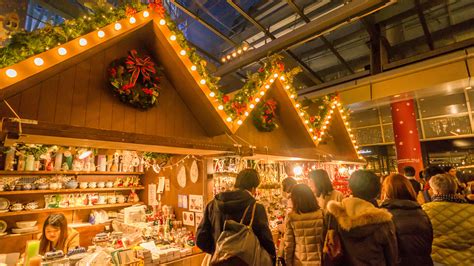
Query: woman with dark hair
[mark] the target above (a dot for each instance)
(56, 235)
(413, 227)
(322, 187)
(304, 226)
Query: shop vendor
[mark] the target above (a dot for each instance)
(56, 235)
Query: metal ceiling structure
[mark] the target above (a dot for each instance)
(332, 41)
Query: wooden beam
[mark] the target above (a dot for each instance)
(424, 25)
(310, 31)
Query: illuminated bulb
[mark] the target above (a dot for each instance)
(324, 127)
(11, 73)
(223, 59)
(301, 114)
(275, 75)
(331, 111)
(322, 133)
(311, 130)
(203, 81)
(212, 94)
(333, 106)
(193, 68)
(329, 117)
(315, 138)
(267, 86)
(272, 80)
(353, 141)
(257, 100)
(282, 77)
(344, 117)
(349, 129)
(173, 37)
(239, 51)
(82, 42)
(132, 20)
(146, 14)
(246, 113)
(327, 122)
(338, 104)
(356, 146)
(118, 26)
(229, 119)
(234, 54)
(228, 57)
(298, 170)
(352, 135)
(245, 48)
(341, 111)
(347, 123)
(319, 139)
(182, 52)
(239, 122)
(38, 61)
(297, 105)
(101, 34)
(306, 122)
(62, 51)
(162, 22)
(252, 106)
(292, 96)
(287, 87)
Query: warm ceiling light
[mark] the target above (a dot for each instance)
(11, 73)
(146, 14)
(173, 37)
(193, 68)
(82, 42)
(203, 81)
(182, 52)
(62, 51)
(132, 20)
(38, 61)
(118, 26)
(162, 22)
(101, 34)
(220, 107)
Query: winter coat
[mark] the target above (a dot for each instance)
(334, 195)
(231, 206)
(303, 238)
(414, 232)
(367, 233)
(453, 232)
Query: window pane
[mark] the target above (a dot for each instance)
(364, 118)
(448, 126)
(443, 105)
(370, 135)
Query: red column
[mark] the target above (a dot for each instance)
(407, 141)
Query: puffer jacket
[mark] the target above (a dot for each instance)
(303, 238)
(414, 232)
(231, 206)
(453, 232)
(367, 233)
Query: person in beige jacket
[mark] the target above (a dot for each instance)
(304, 226)
(322, 188)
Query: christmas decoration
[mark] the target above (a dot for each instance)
(135, 80)
(264, 117)
(341, 183)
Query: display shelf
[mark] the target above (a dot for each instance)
(63, 191)
(102, 206)
(18, 235)
(33, 173)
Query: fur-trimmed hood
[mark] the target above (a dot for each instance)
(353, 212)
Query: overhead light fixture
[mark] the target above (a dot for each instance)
(298, 170)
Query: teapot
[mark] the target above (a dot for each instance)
(16, 207)
(32, 205)
(109, 184)
(71, 184)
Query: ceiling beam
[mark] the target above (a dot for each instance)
(329, 21)
(424, 25)
(306, 69)
(204, 23)
(326, 42)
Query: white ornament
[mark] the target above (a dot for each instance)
(181, 177)
(194, 172)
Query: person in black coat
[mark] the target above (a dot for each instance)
(413, 227)
(410, 173)
(231, 205)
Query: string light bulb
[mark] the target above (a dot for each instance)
(38, 61)
(212, 94)
(257, 100)
(282, 78)
(228, 57)
(62, 51)
(11, 73)
(132, 20)
(193, 68)
(162, 22)
(239, 122)
(223, 60)
(292, 96)
(82, 42)
(262, 93)
(275, 75)
(246, 113)
(182, 52)
(146, 14)
(239, 51)
(301, 114)
(287, 87)
(251, 106)
(202, 81)
(220, 107)
(173, 37)
(118, 26)
(272, 80)
(234, 54)
(311, 130)
(101, 34)
(297, 105)
(229, 119)
(267, 86)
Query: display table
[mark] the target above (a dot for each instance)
(192, 260)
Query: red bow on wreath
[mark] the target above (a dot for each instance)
(272, 105)
(157, 6)
(138, 65)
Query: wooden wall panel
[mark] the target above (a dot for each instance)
(79, 100)
(65, 96)
(96, 80)
(30, 102)
(48, 96)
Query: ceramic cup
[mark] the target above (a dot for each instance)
(83, 185)
(101, 184)
(92, 184)
(102, 199)
(16, 207)
(53, 186)
(112, 200)
(109, 184)
(31, 205)
(120, 199)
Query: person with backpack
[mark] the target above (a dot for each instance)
(238, 205)
(357, 232)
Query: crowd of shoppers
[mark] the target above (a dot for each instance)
(402, 221)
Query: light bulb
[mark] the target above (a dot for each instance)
(327, 122)
(118, 26)
(245, 48)
(229, 119)
(287, 87)
(182, 52)
(162, 22)
(311, 130)
(324, 127)
(322, 133)
(267, 86)
(353, 141)
(228, 57)
(101, 34)
(62, 51)
(132, 20)
(11, 73)
(292, 96)
(257, 100)
(333, 106)
(212, 94)
(146, 14)
(38, 61)
(315, 138)
(306, 122)
(282, 77)
(251, 106)
(220, 107)
(246, 113)
(275, 75)
(298, 170)
(262, 93)
(356, 146)
(234, 54)
(173, 37)
(193, 68)
(203, 81)
(301, 114)
(82, 42)
(272, 80)
(319, 139)
(297, 105)
(331, 111)
(239, 51)
(239, 122)
(223, 60)
(347, 123)
(349, 129)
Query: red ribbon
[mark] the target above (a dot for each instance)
(137, 65)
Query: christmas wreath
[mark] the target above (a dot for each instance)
(135, 80)
(264, 116)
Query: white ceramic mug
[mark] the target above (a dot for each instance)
(83, 185)
(101, 184)
(109, 184)
(92, 184)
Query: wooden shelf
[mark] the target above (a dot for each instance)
(33, 173)
(104, 206)
(63, 191)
